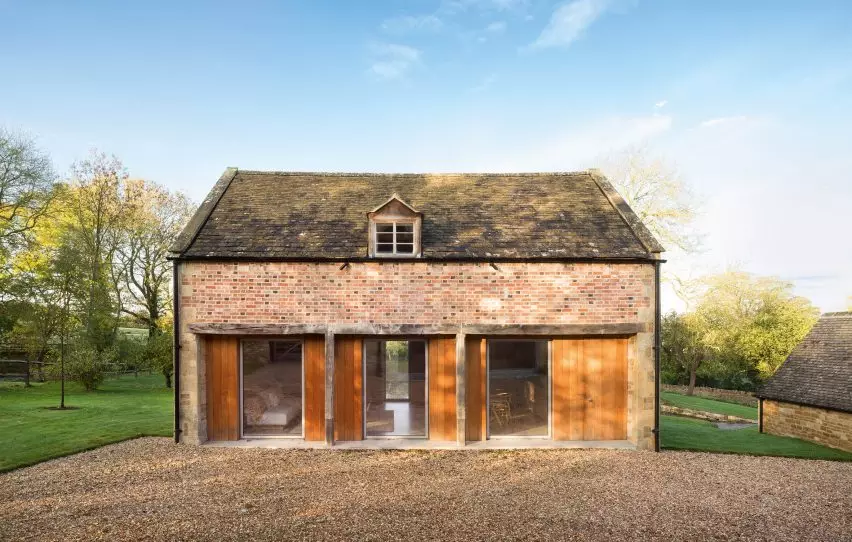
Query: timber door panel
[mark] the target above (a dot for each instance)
(590, 389)
(475, 402)
(442, 389)
(348, 389)
(223, 380)
(314, 370)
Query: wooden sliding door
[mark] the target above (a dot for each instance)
(222, 382)
(443, 424)
(348, 388)
(590, 389)
(475, 375)
(314, 357)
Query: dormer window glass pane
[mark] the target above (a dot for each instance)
(395, 238)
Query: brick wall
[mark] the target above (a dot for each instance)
(827, 427)
(418, 293)
(424, 293)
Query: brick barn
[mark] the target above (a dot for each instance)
(810, 396)
(416, 310)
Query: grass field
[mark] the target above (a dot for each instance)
(678, 433)
(123, 408)
(130, 407)
(708, 405)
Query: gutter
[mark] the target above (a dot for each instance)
(657, 346)
(176, 324)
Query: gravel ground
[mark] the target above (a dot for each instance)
(151, 489)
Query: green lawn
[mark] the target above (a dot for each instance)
(708, 405)
(123, 408)
(130, 407)
(679, 433)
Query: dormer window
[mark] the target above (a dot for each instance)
(395, 238)
(394, 230)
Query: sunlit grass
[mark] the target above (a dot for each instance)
(123, 408)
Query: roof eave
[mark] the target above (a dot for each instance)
(643, 235)
(196, 223)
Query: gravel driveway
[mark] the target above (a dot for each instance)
(151, 489)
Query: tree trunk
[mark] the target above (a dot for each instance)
(691, 388)
(168, 376)
(27, 375)
(62, 371)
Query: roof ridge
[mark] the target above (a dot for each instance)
(416, 174)
(837, 314)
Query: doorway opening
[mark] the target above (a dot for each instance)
(395, 388)
(518, 388)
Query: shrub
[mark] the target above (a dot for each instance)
(83, 364)
(158, 353)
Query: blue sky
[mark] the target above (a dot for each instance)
(752, 100)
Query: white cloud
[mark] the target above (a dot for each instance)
(568, 22)
(661, 104)
(393, 61)
(412, 23)
(712, 123)
(496, 27)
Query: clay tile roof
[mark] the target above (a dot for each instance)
(282, 215)
(819, 370)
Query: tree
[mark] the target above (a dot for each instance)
(742, 328)
(657, 194)
(26, 181)
(45, 276)
(758, 319)
(683, 351)
(158, 353)
(156, 218)
(94, 215)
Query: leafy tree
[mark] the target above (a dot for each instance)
(683, 351)
(86, 364)
(156, 218)
(758, 319)
(158, 353)
(741, 330)
(45, 278)
(26, 180)
(93, 217)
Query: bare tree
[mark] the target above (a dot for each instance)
(657, 194)
(156, 218)
(26, 182)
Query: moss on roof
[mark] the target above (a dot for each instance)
(255, 214)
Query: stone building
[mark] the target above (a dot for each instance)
(810, 396)
(481, 310)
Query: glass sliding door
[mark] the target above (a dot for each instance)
(394, 388)
(272, 392)
(518, 388)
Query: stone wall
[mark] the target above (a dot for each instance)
(418, 293)
(827, 427)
